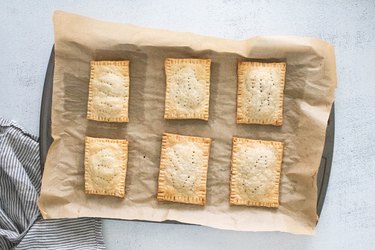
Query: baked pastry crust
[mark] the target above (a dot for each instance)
(255, 172)
(260, 93)
(183, 169)
(188, 88)
(105, 166)
(108, 99)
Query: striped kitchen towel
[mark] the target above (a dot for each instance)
(21, 226)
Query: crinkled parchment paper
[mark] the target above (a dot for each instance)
(309, 93)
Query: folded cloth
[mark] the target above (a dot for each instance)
(21, 226)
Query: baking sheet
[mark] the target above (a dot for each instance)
(309, 92)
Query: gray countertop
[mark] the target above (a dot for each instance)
(348, 217)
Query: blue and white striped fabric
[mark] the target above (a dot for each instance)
(21, 226)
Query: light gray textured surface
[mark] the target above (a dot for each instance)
(348, 217)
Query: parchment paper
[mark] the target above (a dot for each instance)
(309, 93)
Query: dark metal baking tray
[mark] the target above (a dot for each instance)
(46, 140)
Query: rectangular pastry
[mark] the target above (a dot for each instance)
(183, 169)
(108, 91)
(105, 166)
(255, 172)
(188, 88)
(260, 93)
